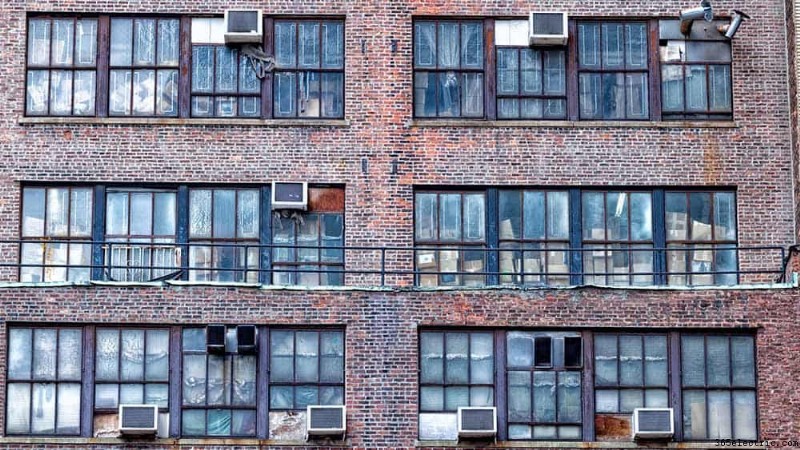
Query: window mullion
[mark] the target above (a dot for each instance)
(676, 398)
(490, 67)
(575, 232)
(266, 82)
(101, 59)
(572, 74)
(654, 78)
(262, 384)
(184, 67)
(87, 383)
(659, 237)
(588, 385)
(182, 231)
(175, 400)
(492, 236)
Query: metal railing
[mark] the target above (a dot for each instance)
(53, 260)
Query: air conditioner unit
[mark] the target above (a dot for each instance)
(287, 195)
(547, 28)
(243, 26)
(215, 339)
(327, 420)
(477, 421)
(653, 423)
(246, 339)
(138, 419)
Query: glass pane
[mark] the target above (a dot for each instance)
(676, 216)
(285, 46)
(121, 42)
(431, 398)
(243, 423)
(225, 107)
(332, 362)
(672, 88)
(693, 360)
(132, 355)
(226, 69)
(606, 401)
(425, 94)
(655, 360)
(194, 339)
(107, 355)
(69, 408)
(426, 215)
(544, 397)
(474, 217)
(696, 93)
(244, 380)
(520, 349)
(555, 78)
(141, 213)
(510, 214)
(431, 357)
(605, 360)
(86, 42)
(106, 396)
(481, 358)
(144, 88)
(19, 354)
(725, 216)
(694, 414)
(80, 219)
(448, 45)
(719, 88)
(613, 46)
(83, 98)
(450, 217)
(589, 45)
(719, 415)
(308, 49)
(307, 357)
(744, 415)
(194, 379)
(131, 394)
(60, 92)
(481, 396)
(164, 212)
(157, 394)
(69, 354)
(656, 398)
(700, 214)
(519, 396)
(332, 95)
(636, 85)
(281, 397)
(144, 42)
(39, 42)
(193, 422)
(57, 211)
(569, 397)
(617, 216)
(472, 95)
(508, 108)
(591, 93)
(718, 361)
(593, 216)
(247, 216)
(157, 355)
(281, 356)
(455, 397)
(630, 357)
(119, 102)
(44, 354)
(167, 93)
(306, 395)
(507, 71)
(636, 45)
(472, 45)
(168, 48)
(308, 95)
(219, 422)
(33, 212)
(614, 95)
(38, 91)
(557, 215)
(456, 363)
(630, 399)
(202, 68)
(448, 99)
(332, 44)
(218, 381)
(424, 44)
(200, 213)
(285, 95)
(742, 353)
(43, 408)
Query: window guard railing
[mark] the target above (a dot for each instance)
(393, 266)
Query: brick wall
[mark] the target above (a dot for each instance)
(755, 156)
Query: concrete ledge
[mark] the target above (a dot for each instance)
(183, 122)
(576, 444)
(144, 443)
(477, 123)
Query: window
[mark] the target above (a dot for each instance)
(63, 217)
(306, 368)
(219, 390)
(544, 385)
(456, 222)
(143, 222)
(62, 60)
(143, 60)
(448, 68)
(131, 367)
(718, 379)
(630, 371)
(536, 225)
(701, 235)
(456, 369)
(309, 69)
(695, 73)
(44, 381)
(531, 83)
(224, 82)
(618, 229)
(613, 70)
(227, 220)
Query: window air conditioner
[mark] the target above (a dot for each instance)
(653, 423)
(477, 421)
(138, 419)
(547, 28)
(287, 195)
(325, 420)
(243, 26)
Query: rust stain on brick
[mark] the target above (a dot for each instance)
(712, 165)
(612, 427)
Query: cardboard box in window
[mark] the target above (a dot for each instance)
(676, 226)
(701, 231)
(703, 256)
(428, 280)
(448, 261)
(506, 230)
(473, 265)
(557, 267)
(426, 261)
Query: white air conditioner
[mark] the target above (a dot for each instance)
(243, 26)
(286, 195)
(477, 421)
(653, 423)
(547, 28)
(326, 420)
(138, 419)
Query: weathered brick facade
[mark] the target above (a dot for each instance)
(752, 154)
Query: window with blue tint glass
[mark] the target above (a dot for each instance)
(218, 390)
(448, 68)
(308, 80)
(306, 368)
(613, 70)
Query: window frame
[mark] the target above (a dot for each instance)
(213, 94)
(520, 96)
(290, 268)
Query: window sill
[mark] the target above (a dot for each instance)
(473, 123)
(144, 442)
(182, 122)
(573, 444)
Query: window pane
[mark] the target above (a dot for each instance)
(18, 408)
(157, 355)
(69, 354)
(606, 401)
(121, 42)
(44, 354)
(141, 213)
(456, 364)
(672, 88)
(636, 84)
(226, 69)
(636, 45)
(132, 355)
(144, 88)
(510, 215)
(131, 394)
(613, 46)
(426, 216)
(724, 216)
(157, 394)
(332, 358)
(332, 95)
(332, 45)
(557, 215)
(481, 358)
(19, 353)
(107, 354)
(309, 45)
(425, 94)
(44, 408)
(219, 422)
(83, 98)
(544, 397)
(281, 397)
(200, 213)
(696, 93)
(656, 398)
(700, 215)
(39, 42)
(63, 39)
(630, 357)
(308, 95)
(307, 357)
(448, 99)
(243, 423)
(38, 91)
(590, 95)
(744, 419)
(742, 352)
(450, 217)
(472, 45)
(455, 397)
(281, 356)
(655, 357)
(614, 95)
(569, 397)
(474, 217)
(306, 395)
(193, 422)
(168, 49)
(507, 71)
(144, 42)
(202, 68)
(285, 49)
(285, 94)
(718, 361)
(719, 415)
(519, 396)
(641, 217)
(60, 92)
(244, 380)
(448, 45)
(605, 360)
(425, 44)
(431, 398)
(508, 108)
(432, 357)
(194, 379)
(554, 72)
(693, 360)
(167, 93)
(719, 88)
(472, 95)
(80, 219)
(589, 46)
(86, 42)
(520, 349)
